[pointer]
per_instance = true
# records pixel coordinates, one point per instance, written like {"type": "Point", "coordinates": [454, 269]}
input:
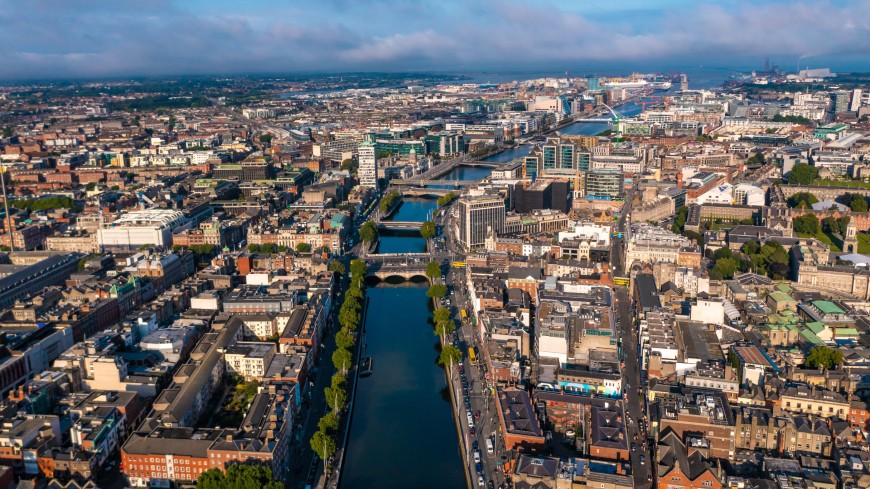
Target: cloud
{"type": "Point", "coordinates": [89, 38]}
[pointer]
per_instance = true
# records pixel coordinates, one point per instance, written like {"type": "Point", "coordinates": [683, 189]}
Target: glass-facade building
{"type": "Point", "coordinates": [604, 184]}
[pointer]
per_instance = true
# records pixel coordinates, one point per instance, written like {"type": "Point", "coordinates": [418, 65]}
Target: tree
{"type": "Point", "coordinates": [239, 476]}
{"type": "Point", "coordinates": [433, 269]}
{"type": "Point", "coordinates": [443, 329]}
{"type": "Point", "coordinates": [368, 232]}
{"type": "Point", "coordinates": [802, 174]}
{"type": "Point", "coordinates": [441, 314]}
{"type": "Point", "coordinates": [680, 220]}
{"type": "Point", "coordinates": [253, 248]}
{"type": "Point", "coordinates": [750, 247]}
{"type": "Point", "coordinates": [807, 224]}
{"type": "Point", "coordinates": [446, 199]}
{"type": "Point", "coordinates": [282, 249]}
{"type": "Point", "coordinates": [436, 291]}
{"type": "Point", "coordinates": [324, 446]}
{"type": "Point", "coordinates": [778, 271]}
{"type": "Point", "coordinates": [726, 267]}
{"type": "Point", "coordinates": [328, 423]}
{"type": "Point", "coordinates": [388, 200]}
{"type": "Point", "coordinates": [349, 165]}
{"type": "Point", "coordinates": [449, 355]}
{"type": "Point", "coordinates": [269, 248]}
{"type": "Point", "coordinates": [831, 225]}
{"type": "Point", "coordinates": [802, 199]}
{"type": "Point", "coordinates": [266, 139]}
{"type": "Point", "coordinates": [342, 359]}
{"type": "Point", "coordinates": [336, 397]}
{"type": "Point", "coordinates": [344, 339]}
{"type": "Point", "coordinates": [303, 247]}
{"type": "Point", "coordinates": [858, 203]}
{"type": "Point", "coordinates": [336, 266]}
{"type": "Point", "coordinates": [427, 230]}
{"type": "Point", "coordinates": [338, 380]}
{"type": "Point", "coordinates": [358, 268]}
{"type": "Point", "coordinates": [90, 186]}
{"type": "Point", "coordinates": [354, 294]}
{"type": "Point", "coordinates": [348, 319]}
{"type": "Point", "coordinates": [824, 356]}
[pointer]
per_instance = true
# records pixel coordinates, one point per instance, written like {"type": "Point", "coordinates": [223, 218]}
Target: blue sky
{"type": "Point", "coordinates": [97, 38]}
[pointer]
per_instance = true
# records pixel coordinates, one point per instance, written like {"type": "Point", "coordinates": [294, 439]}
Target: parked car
{"type": "Point", "coordinates": [480, 482]}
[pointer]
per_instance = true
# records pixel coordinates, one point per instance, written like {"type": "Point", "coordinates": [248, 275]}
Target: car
{"type": "Point", "coordinates": [474, 444]}
{"type": "Point", "coordinates": [478, 467]}
{"type": "Point", "coordinates": [480, 481]}
{"type": "Point", "coordinates": [642, 460]}
{"type": "Point", "coordinates": [476, 455]}
{"type": "Point", "coordinates": [634, 447]}
{"type": "Point", "coordinates": [490, 485]}
{"type": "Point", "coordinates": [477, 414]}
{"type": "Point", "coordinates": [472, 431]}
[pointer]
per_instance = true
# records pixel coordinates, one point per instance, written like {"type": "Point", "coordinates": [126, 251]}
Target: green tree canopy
{"type": "Point", "coordinates": [802, 199]}
{"type": "Point", "coordinates": [436, 291]}
{"type": "Point", "coordinates": [680, 220]}
{"type": "Point", "coordinates": [388, 200]}
{"type": "Point", "coordinates": [266, 138]}
{"type": "Point", "coordinates": [441, 314]}
{"type": "Point", "coordinates": [303, 247]}
{"type": "Point", "coordinates": [323, 445]}
{"type": "Point", "coordinates": [349, 319]}
{"type": "Point", "coordinates": [336, 396]}
{"type": "Point", "coordinates": [446, 199]}
{"type": "Point", "coordinates": [433, 269]}
{"type": "Point", "coordinates": [449, 356]}
{"type": "Point", "coordinates": [443, 329]}
{"type": "Point", "coordinates": [368, 232]}
{"type": "Point", "coordinates": [803, 174]}
{"type": "Point", "coordinates": [239, 476]}
{"type": "Point", "coordinates": [427, 230]}
{"type": "Point", "coordinates": [824, 356]}
{"type": "Point", "coordinates": [253, 248]}
{"type": "Point", "coordinates": [358, 268]}
{"type": "Point", "coordinates": [726, 267]}
{"type": "Point", "coordinates": [808, 224]}
{"type": "Point", "coordinates": [336, 266]}
{"type": "Point", "coordinates": [344, 339]}
{"type": "Point", "coordinates": [342, 359]}
{"type": "Point", "coordinates": [329, 422]}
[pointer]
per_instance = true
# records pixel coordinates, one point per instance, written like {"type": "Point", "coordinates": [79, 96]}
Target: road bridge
{"type": "Point", "coordinates": [400, 225]}
{"type": "Point", "coordinates": [426, 182]}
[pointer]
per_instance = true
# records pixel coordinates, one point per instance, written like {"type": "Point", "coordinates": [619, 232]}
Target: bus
{"type": "Point", "coordinates": [462, 313]}
{"type": "Point", "coordinates": [459, 264]}
{"type": "Point", "coordinates": [472, 358]}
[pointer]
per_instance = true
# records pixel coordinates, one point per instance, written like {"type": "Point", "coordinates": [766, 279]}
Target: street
{"type": "Point", "coordinates": [634, 403]}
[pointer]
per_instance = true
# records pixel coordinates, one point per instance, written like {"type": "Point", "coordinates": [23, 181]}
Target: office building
{"type": "Point", "coordinates": [368, 166]}
{"type": "Point", "coordinates": [604, 184]}
{"type": "Point", "coordinates": [479, 216]}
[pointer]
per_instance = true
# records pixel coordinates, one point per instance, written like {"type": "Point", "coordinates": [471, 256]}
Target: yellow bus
{"type": "Point", "coordinates": [462, 313]}
{"type": "Point", "coordinates": [459, 264]}
{"type": "Point", "coordinates": [471, 357]}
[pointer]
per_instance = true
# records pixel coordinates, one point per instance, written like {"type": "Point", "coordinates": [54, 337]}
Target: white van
{"type": "Point", "coordinates": [476, 456]}
{"type": "Point", "coordinates": [489, 447]}
{"type": "Point", "coordinates": [470, 419]}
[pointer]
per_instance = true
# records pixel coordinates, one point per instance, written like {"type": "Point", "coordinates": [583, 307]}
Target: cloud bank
{"type": "Point", "coordinates": [90, 38]}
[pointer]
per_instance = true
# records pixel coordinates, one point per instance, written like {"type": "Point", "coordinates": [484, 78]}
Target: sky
{"type": "Point", "coordinates": [120, 38]}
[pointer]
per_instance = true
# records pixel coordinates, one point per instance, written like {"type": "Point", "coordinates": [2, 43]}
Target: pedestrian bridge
{"type": "Point", "coordinates": [430, 182]}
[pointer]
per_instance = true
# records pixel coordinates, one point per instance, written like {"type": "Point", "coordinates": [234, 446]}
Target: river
{"type": "Point", "coordinates": [403, 432]}
{"type": "Point", "coordinates": [411, 209]}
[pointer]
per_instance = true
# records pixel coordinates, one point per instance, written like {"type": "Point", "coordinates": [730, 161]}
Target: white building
{"type": "Point", "coordinates": [709, 311]}
{"type": "Point", "coordinates": [368, 166]}
{"type": "Point", "coordinates": [723, 194]}
{"type": "Point", "coordinates": [747, 194]}
{"type": "Point", "coordinates": [152, 227]}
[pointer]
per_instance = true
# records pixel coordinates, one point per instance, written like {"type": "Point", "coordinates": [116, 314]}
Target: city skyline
{"type": "Point", "coordinates": [48, 39]}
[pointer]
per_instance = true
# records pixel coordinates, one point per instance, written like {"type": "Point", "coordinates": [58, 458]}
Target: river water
{"type": "Point", "coordinates": [411, 209]}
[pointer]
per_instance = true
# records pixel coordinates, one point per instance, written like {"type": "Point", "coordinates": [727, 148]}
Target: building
{"type": "Point", "coordinates": [703, 411]}
{"type": "Point", "coordinates": [152, 227]}
{"type": "Point", "coordinates": [368, 165]}
{"type": "Point", "coordinates": [479, 216]}
{"type": "Point", "coordinates": [604, 184]}
{"type": "Point", "coordinates": [518, 420]}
